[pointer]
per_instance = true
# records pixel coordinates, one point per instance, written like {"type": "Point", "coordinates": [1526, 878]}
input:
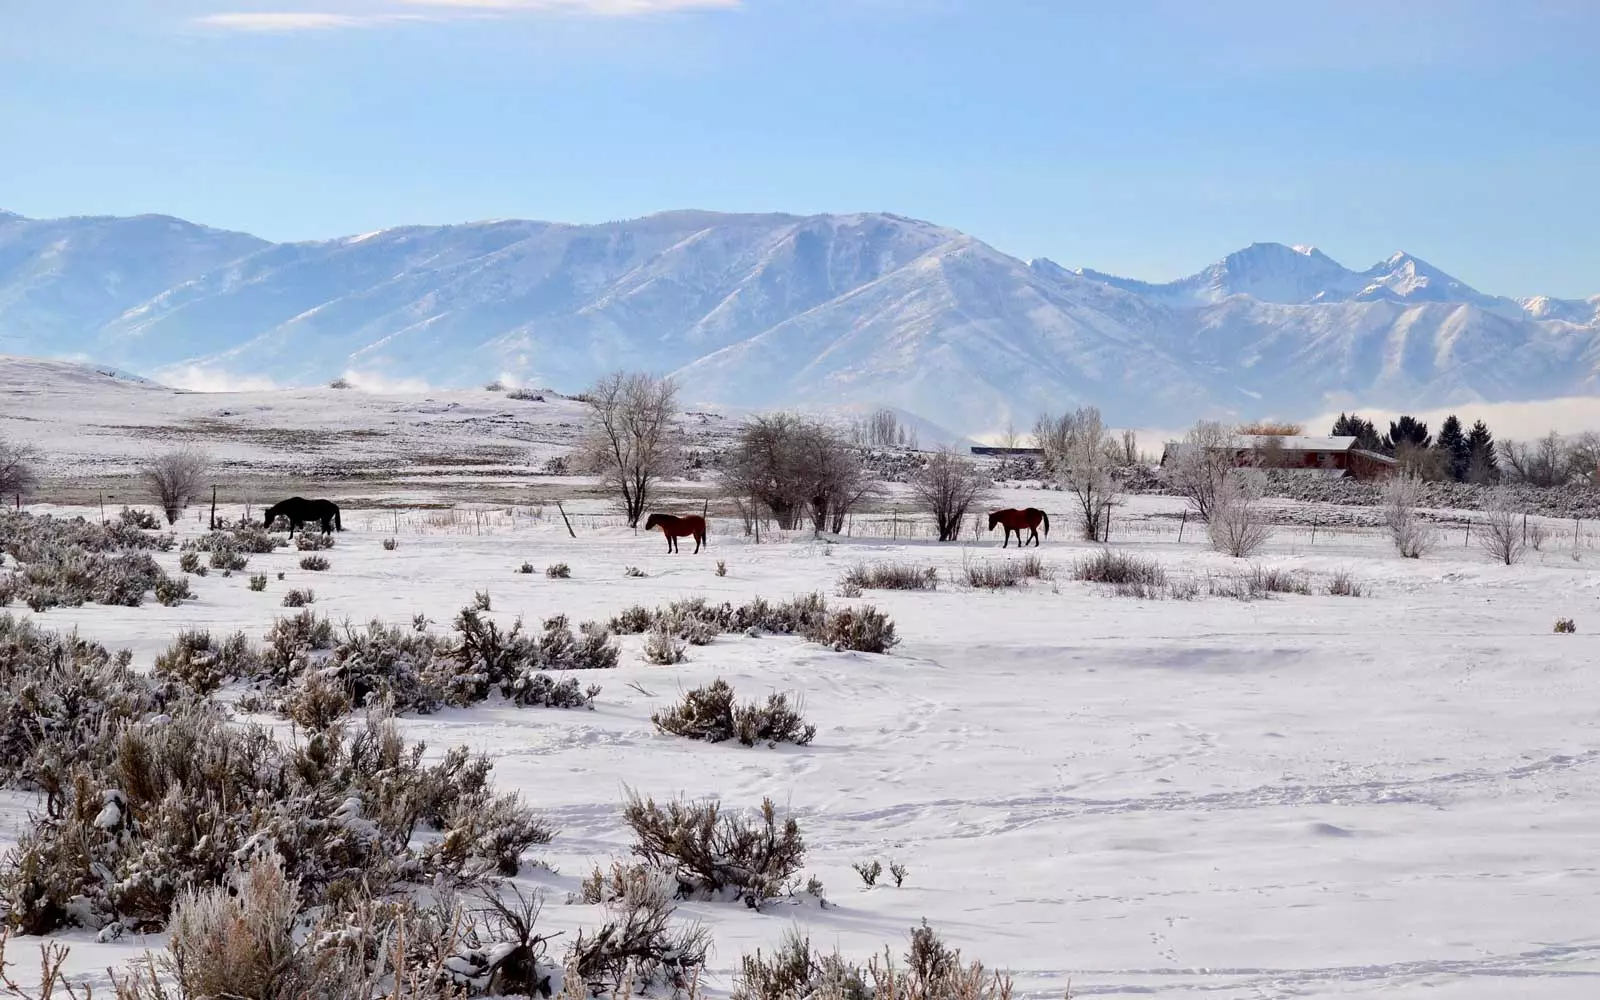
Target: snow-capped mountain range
{"type": "Point", "coordinates": [781, 310]}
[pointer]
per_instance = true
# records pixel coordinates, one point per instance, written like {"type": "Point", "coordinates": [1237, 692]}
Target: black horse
{"type": "Point", "coordinates": [299, 511]}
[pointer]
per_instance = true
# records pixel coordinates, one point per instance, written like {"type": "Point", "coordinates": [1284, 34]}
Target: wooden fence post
{"type": "Point", "coordinates": [1181, 524]}
{"type": "Point", "coordinates": [564, 520]}
{"type": "Point", "coordinates": [213, 507]}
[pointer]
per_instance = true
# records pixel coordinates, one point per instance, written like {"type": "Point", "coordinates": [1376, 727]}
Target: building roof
{"type": "Point", "coordinates": [1301, 443]}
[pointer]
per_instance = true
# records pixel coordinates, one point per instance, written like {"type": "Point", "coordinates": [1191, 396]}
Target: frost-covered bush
{"type": "Point", "coordinates": [24, 536]}
{"type": "Point", "coordinates": [662, 648]}
{"type": "Point", "coordinates": [1238, 525]}
{"type": "Point", "coordinates": [258, 582]}
{"type": "Point", "coordinates": [558, 571]}
{"type": "Point", "coordinates": [1344, 584]}
{"type": "Point", "coordinates": [299, 597]}
{"type": "Point", "coordinates": [711, 854]}
{"type": "Point", "coordinates": [638, 950]}
{"type": "Point", "coordinates": [308, 542]}
{"type": "Point", "coordinates": [533, 689]}
{"type": "Point", "coordinates": [141, 520]}
{"type": "Point", "coordinates": [185, 797]}
{"type": "Point", "coordinates": [860, 630]}
{"type": "Point", "coordinates": [931, 970]}
{"type": "Point", "coordinates": [710, 713]}
{"type": "Point", "coordinates": [189, 562]}
{"type": "Point", "coordinates": [314, 564]}
{"type": "Point", "coordinates": [249, 538]}
{"type": "Point", "coordinates": [58, 576]}
{"type": "Point", "coordinates": [1412, 536]}
{"type": "Point", "coordinates": [1566, 626]}
{"type": "Point", "coordinates": [204, 663]}
{"type": "Point", "coordinates": [228, 561]}
{"type": "Point", "coordinates": [173, 591]}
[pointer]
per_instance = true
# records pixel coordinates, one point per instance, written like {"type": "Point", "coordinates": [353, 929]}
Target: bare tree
{"type": "Point", "coordinates": [1501, 534]}
{"type": "Point", "coordinates": [1543, 463]}
{"type": "Point", "coordinates": [795, 468]}
{"type": "Point", "coordinates": [1271, 428]}
{"type": "Point", "coordinates": [1200, 464]}
{"type": "Point", "coordinates": [1417, 462]}
{"type": "Point", "coordinates": [17, 475]}
{"type": "Point", "coordinates": [1238, 524]}
{"type": "Point", "coordinates": [884, 430]}
{"type": "Point", "coordinates": [1010, 440]}
{"type": "Point", "coordinates": [1081, 453]}
{"type": "Point", "coordinates": [1411, 535]}
{"type": "Point", "coordinates": [1129, 452]}
{"type": "Point", "coordinates": [1583, 458]}
{"type": "Point", "coordinates": [945, 488]}
{"type": "Point", "coordinates": [630, 443]}
{"type": "Point", "coordinates": [174, 479]}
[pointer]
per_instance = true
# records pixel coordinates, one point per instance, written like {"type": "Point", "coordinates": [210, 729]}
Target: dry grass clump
{"type": "Point", "coordinates": [890, 576]}
{"type": "Point", "coordinates": [314, 564]}
{"type": "Point", "coordinates": [299, 597]}
{"type": "Point", "coordinates": [710, 713]}
{"type": "Point", "coordinates": [1344, 584]}
{"type": "Point", "coordinates": [1120, 569]}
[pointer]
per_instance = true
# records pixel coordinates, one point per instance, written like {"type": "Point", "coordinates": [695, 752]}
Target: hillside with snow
{"type": "Point", "coordinates": [781, 310]}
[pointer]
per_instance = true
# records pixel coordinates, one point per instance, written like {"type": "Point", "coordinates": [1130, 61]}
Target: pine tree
{"type": "Point", "coordinates": [1453, 446]}
{"type": "Point", "coordinates": [1482, 466]}
{"type": "Point", "coordinates": [1407, 431]}
{"type": "Point", "coordinates": [1363, 431]}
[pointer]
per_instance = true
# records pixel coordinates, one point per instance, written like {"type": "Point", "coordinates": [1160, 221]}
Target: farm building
{"type": "Point", "coordinates": [1335, 457]}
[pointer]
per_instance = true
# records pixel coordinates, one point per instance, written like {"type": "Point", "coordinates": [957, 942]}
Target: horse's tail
{"type": "Point", "coordinates": [1044, 522]}
{"type": "Point", "coordinates": [340, 524]}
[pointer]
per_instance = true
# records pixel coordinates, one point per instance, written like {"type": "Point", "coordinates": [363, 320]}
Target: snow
{"type": "Point", "coordinates": [1303, 797]}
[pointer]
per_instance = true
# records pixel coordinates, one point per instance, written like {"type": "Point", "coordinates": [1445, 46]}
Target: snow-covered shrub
{"type": "Point", "coordinates": [390, 544]}
{"type": "Point", "coordinates": [891, 576]}
{"type": "Point", "coordinates": [249, 538]}
{"type": "Point", "coordinates": [710, 713]}
{"type": "Point", "coordinates": [290, 641]}
{"type": "Point", "coordinates": [1238, 524]}
{"type": "Point", "coordinates": [533, 689]}
{"type": "Point", "coordinates": [860, 630]}
{"type": "Point", "coordinates": [24, 536]}
{"type": "Point", "coordinates": [712, 854]}
{"type": "Point", "coordinates": [932, 971]}
{"type": "Point", "coordinates": [314, 564]}
{"type": "Point", "coordinates": [637, 950]}
{"type": "Point", "coordinates": [142, 520]}
{"type": "Point", "coordinates": [662, 648]}
{"type": "Point", "coordinates": [992, 574]}
{"type": "Point", "coordinates": [236, 939]}
{"type": "Point", "coordinates": [526, 569]}
{"type": "Point", "coordinates": [317, 701]}
{"type": "Point", "coordinates": [1120, 568]}
{"type": "Point", "coordinates": [526, 396]}
{"type": "Point", "coordinates": [189, 562]}
{"type": "Point", "coordinates": [185, 797]}
{"type": "Point", "coordinates": [869, 871]}
{"type": "Point", "coordinates": [633, 571]}
{"type": "Point", "coordinates": [172, 591]}
{"type": "Point", "coordinates": [313, 542]}
{"type": "Point", "coordinates": [205, 664]}
{"type": "Point", "coordinates": [1566, 626]}
{"type": "Point", "coordinates": [558, 571]}
{"type": "Point", "coordinates": [258, 582]}
{"type": "Point", "coordinates": [299, 597]}
{"type": "Point", "coordinates": [1411, 535]}
{"type": "Point", "coordinates": [228, 561]}
{"type": "Point", "coordinates": [59, 576]}
{"type": "Point", "coordinates": [695, 620]}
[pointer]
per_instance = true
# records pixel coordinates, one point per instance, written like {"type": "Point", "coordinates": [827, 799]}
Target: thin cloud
{"type": "Point", "coordinates": [287, 21]}
{"type": "Point", "coordinates": [270, 22]}
{"type": "Point", "coordinates": [599, 8]}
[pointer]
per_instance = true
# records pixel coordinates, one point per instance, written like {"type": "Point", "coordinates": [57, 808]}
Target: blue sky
{"type": "Point", "coordinates": [1146, 138]}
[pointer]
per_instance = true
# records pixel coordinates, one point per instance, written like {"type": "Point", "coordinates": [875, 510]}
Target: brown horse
{"type": "Point", "coordinates": [675, 527]}
{"type": "Point", "coordinates": [1018, 520]}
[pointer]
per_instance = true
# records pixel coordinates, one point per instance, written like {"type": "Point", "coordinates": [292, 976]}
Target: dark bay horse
{"type": "Point", "coordinates": [299, 511]}
{"type": "Point", "coordinates": [1019, 520]}
{"type": "Point", "coordinates": [675, 527]}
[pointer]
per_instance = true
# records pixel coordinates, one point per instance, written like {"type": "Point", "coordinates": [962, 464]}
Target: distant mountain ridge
{"type": "Point", "coordinates": [774, 310]}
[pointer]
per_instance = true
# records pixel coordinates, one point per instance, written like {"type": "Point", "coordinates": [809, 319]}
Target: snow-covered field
{"type": "Point", "coordinates": [1310, 796]}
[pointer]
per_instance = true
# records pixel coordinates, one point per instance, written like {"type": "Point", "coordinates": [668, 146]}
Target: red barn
{"type": "Point", "coordinates": [1337, 457]}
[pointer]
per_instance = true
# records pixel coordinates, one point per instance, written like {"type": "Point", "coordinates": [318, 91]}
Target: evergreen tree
{"type": "Point", "coordinates": [1453, 447]}
{"type": "Point", "coordinates": [1407, 431]}
{"type": "Point", "coordinates": [1363, 431]}
{"type": "Point", "coordinates": [1482, 466]}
